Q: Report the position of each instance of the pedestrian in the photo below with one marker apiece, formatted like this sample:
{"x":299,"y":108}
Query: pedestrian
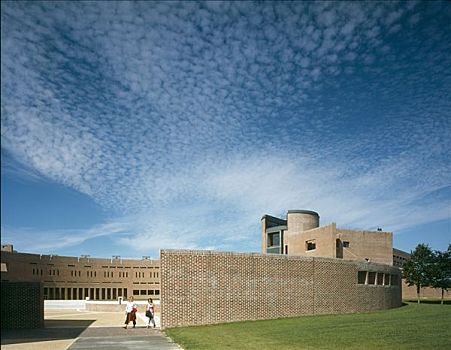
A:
{"x":130,"y":312}
{"x":150,"y":312}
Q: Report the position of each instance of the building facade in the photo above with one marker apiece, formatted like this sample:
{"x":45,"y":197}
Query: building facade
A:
{"x":400,"y":257}
{"x":300,"y":234}
{"x":81,"y":278}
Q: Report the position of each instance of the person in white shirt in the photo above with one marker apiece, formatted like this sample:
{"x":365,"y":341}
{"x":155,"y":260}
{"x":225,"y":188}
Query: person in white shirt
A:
{"x":150,"y":312}
{"x":130,"y":312}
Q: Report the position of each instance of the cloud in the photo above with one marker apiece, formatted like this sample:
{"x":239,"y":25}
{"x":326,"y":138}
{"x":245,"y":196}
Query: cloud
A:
{"x":32,"y":240}
{"x":188,"y":121}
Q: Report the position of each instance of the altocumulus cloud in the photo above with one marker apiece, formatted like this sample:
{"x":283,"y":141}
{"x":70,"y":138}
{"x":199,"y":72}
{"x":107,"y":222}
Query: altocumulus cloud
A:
{"x":188,"y":121}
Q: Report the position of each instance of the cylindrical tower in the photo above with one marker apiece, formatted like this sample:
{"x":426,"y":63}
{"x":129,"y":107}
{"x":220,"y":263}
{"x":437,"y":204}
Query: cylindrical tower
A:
{"x":302,"y":220}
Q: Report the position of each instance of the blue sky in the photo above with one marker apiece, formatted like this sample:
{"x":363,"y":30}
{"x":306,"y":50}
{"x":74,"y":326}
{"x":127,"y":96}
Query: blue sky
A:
{"x":127,"y":127}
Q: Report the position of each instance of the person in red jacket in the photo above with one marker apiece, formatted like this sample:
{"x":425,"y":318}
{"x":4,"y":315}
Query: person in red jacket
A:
{"x":130,"y":312}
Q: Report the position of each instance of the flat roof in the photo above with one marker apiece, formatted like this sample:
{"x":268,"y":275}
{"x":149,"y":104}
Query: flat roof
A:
{"x":311,"y":212}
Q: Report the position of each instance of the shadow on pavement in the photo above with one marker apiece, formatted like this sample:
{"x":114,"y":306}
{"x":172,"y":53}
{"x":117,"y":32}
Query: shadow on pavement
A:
{"x":53,"y":330}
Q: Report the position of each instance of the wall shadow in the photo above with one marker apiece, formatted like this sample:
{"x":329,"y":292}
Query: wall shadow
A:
{"x":53,"y":330}
{"x":429,"y":301}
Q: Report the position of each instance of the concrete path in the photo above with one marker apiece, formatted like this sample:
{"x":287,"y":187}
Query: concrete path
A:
{"x":130,"y":339}
{"x":80,"y":329}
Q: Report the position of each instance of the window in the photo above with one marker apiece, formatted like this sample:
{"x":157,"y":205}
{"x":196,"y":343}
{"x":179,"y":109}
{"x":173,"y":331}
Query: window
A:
{"x":380,"y":278}
{"x":286,"y":250}
{"x":310,"y":245}
{"x":387,"y":279}
{"x":361,"y":277}
{"x":345,"y":244}
{"x":157,"y":292}
{"x":150,"y":292}
{"x":371,"y":277}
{"x":273,"y":239}
{"x":143,"y":292}
{"x":135,"y":292}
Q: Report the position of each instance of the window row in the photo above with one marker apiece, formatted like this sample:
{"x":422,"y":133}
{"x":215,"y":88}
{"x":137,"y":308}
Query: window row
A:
{"x":142,"y":275}
{"x":119,"y":267}
{"x":107,"y":274}
{"x":37,"y":272}
{"x":377,"y":278}
{"x":146,"y":292}
{"x":52,"y":293}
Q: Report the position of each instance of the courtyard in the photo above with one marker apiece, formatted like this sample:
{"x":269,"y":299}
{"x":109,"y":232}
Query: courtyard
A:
{"x":81,"y":329}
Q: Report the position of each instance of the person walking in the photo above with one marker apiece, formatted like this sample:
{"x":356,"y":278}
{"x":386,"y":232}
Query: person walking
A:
{"x":130,"y":312}
{"x":150,"y":312}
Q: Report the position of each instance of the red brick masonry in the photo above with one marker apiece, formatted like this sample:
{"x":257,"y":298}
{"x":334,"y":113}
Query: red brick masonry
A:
{"x":206,"y":287}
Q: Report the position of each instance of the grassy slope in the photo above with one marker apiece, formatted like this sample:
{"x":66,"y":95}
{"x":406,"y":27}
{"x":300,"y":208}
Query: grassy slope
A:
{"x":424,"y":326}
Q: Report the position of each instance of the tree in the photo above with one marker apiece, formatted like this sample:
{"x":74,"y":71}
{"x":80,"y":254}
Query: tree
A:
{"x":419,"y":268}
{"x":441,"y":271}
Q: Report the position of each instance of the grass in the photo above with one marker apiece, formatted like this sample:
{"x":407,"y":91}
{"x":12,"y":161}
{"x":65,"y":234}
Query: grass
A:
{"x":424,"y":326}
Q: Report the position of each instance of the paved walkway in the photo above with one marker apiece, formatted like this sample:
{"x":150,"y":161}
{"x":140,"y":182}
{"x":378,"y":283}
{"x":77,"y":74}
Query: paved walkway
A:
{"x":78,"y":329}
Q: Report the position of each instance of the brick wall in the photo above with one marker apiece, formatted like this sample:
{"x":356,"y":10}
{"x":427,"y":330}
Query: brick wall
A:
{"x":22,"y":305}
{"x":425,"y":292}
{"x":205,"y":287}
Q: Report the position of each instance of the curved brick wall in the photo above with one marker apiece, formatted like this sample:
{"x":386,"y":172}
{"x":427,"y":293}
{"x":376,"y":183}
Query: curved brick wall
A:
{"x":206,"y":287}
{"x":302,"y":220}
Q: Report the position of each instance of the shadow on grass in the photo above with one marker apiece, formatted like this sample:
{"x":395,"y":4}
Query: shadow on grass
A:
{"x":429,"y":301}
{"x":53,"y":330}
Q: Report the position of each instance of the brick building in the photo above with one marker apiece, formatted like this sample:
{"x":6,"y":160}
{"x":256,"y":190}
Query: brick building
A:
{"x":300,"y":234}
{"x":400,"y":257}
{"x":78,"y":278}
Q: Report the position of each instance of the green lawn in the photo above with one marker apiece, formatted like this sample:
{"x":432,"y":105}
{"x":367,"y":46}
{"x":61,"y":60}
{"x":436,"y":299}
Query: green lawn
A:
{"x":424,"y":326}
